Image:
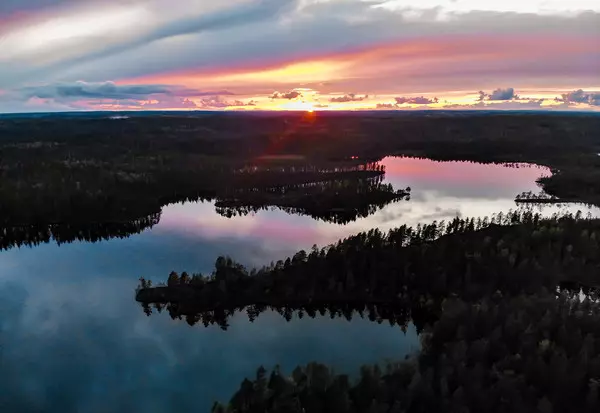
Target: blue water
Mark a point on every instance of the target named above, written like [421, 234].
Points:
[73, 339]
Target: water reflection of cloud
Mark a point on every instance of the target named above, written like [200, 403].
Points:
[462, 179]
[201, 220]
[440, 190]
[97, 351]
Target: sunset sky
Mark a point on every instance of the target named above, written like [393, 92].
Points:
[58, 55]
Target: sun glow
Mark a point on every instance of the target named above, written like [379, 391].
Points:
[302, 72]
[299, 106]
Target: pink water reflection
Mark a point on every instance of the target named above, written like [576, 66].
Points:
[440, 190]
[468, 177]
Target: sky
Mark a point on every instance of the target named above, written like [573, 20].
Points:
[63, 55]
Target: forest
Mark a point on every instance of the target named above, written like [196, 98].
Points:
[507, 309]
[78, 169]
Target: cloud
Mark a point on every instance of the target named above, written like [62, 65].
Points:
[17, 6]
[217, 102]
[347, 45]
[109, 90]
[424, 215]
[524, 104]
[419, 100]
[251, 32]
[112, 96]
[175, 103]
[402, 100]
[106, 95]
[580, 96]
[239, 103]
[499, 95]
[292, 94]
[503, 94]
[193, 20]
[348, 98]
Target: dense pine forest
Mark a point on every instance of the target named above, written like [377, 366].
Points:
[506, 307]
[63, 169]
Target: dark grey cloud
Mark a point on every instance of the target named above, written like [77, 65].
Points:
[14, 6]
[82, 95]
[419, 100]
[503, 94]
[109, 90]
[499, 95]
[580, 96]
[348, 98]
[292, 94]
[385, 106]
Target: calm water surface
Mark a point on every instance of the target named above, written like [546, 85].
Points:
[72, 338]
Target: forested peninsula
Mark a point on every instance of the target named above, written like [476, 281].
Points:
[506, 307]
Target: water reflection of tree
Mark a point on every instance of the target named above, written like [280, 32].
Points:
[339, 201]
[400, 313]
[32, 235]
[339, 192]
[531, 352]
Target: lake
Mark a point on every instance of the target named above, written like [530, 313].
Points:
[72, 337]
